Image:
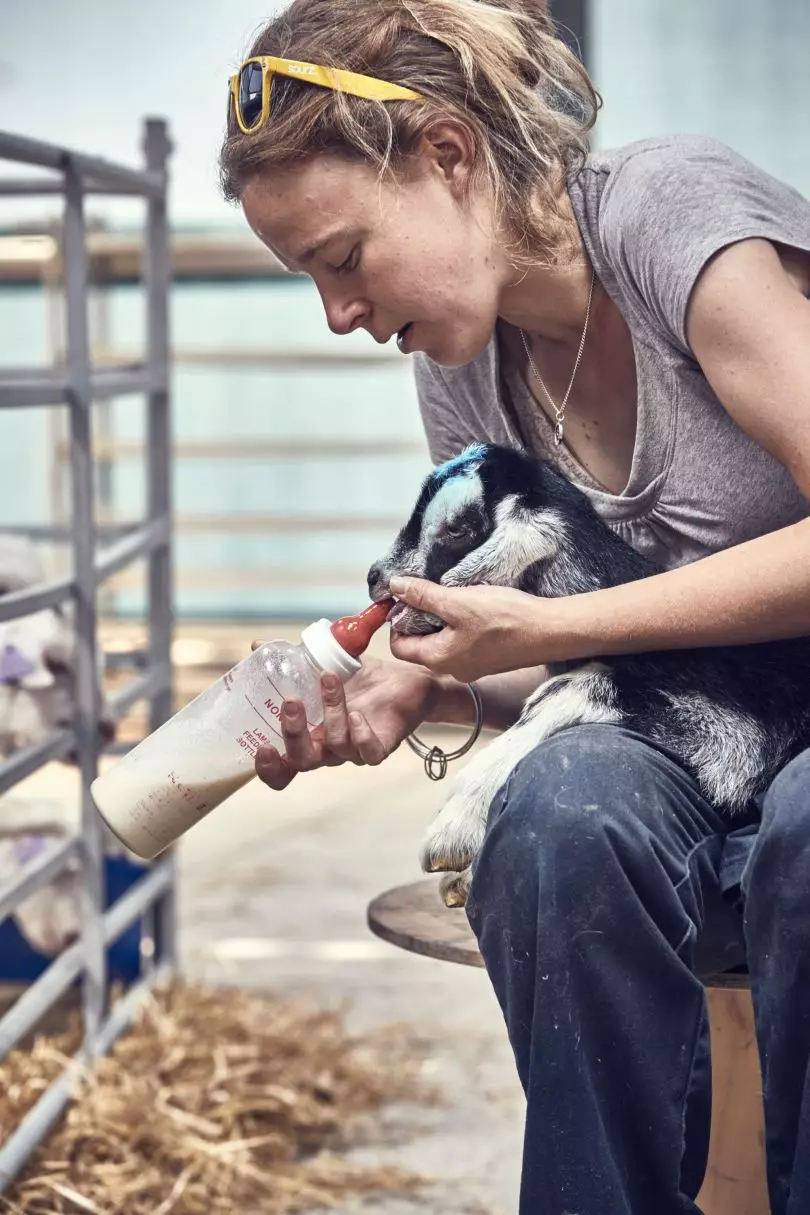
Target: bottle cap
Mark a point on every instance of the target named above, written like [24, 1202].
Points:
[327, 651]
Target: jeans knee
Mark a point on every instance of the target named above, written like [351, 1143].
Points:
[788, 798]
[574, 816]
[780, 862]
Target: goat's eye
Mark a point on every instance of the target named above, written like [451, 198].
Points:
[456, 533]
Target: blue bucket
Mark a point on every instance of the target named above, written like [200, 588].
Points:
[21, 963]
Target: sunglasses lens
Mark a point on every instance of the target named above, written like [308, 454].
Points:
[250, 94]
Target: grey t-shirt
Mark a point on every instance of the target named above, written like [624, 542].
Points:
[651, 214]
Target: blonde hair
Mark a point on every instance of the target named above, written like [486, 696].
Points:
[495, 65]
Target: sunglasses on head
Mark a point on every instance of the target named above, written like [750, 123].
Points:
[249, 88]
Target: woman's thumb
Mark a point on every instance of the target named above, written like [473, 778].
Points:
[419, 593]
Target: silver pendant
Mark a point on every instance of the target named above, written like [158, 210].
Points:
[558, 434]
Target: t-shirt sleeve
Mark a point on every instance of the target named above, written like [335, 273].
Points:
[446, 430]
[672, 205]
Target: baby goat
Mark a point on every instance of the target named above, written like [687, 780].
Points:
[733, 715]
[37, 652]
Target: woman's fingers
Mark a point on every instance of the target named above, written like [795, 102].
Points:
[428, 596]
[272, 768]
[300, 750]
[342, 737]
[366, 743]
[336, 733]
[330, 760]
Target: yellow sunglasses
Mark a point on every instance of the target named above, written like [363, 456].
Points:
[249, 88]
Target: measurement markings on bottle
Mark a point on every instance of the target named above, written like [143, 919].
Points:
[273, 705]
[251, 740]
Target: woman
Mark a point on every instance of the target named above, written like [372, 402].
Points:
[642, 319]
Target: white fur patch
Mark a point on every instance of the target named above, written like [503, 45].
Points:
[452, 499]
[723, 748]
[520, 537]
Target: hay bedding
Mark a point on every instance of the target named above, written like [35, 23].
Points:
[215, 1101]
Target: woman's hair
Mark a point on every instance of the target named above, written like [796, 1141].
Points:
[495, 65]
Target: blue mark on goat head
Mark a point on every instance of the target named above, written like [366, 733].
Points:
[466, 461]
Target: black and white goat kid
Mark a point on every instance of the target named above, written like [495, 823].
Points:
[733, 715]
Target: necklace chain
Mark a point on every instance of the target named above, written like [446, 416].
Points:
[559, 410]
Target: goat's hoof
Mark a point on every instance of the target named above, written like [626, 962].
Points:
[454, 888]
[447, 860]
[456, 834]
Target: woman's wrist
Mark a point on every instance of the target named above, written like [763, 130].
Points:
[503, 697]
[449, 702]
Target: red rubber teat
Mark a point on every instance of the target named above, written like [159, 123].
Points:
[354, 633]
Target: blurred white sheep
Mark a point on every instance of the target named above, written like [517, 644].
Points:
[37, 696]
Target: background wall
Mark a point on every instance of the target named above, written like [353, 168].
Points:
[85, 73]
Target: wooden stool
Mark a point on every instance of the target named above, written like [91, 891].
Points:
[414, 918]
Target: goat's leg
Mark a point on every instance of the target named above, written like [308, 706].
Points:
[455, 836]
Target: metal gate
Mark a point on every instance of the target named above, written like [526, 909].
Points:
[77, 385]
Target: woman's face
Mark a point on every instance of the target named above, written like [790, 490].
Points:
[409, 258]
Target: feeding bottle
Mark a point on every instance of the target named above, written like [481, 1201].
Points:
[207, 751]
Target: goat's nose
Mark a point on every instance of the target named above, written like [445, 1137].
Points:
[374, 576]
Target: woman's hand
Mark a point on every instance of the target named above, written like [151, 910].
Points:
[362, 724]
[488, 629]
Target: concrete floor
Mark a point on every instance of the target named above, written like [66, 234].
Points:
[273, 894]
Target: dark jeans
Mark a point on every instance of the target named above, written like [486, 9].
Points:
[602, 889]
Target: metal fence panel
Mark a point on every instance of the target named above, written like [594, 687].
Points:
[78, 386]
